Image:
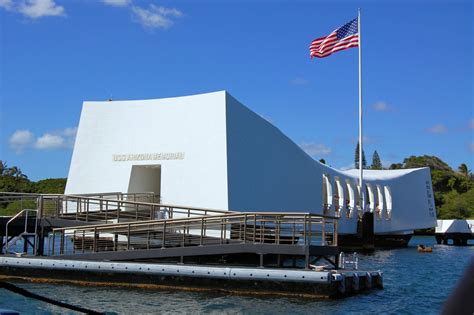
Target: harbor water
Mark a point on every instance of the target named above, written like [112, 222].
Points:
[415, 283]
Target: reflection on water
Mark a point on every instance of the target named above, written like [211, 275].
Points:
[416, 283]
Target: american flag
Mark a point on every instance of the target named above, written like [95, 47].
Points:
[344, 37]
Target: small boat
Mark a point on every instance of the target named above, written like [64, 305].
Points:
[424, 249]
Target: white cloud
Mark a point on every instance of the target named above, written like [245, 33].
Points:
[117, 3]
[70, 132]
[315, 149]
[381, 106]
[59, 139]
[20, 140]
[438, 129]
[35, 9]
[49, 141]
[299, 81]
[6, 4]
[155, 16]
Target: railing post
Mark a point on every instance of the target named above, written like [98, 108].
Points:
[83, 241]
[61, 249]
[118, 211]
[222, 227]
[304, 229]
[106, 212]
[94, 241]
[277, 231]
[184, 233]
[164, 233]
[323, 232]
[87, 212]
[74, 242]
[202, 231]
[254, 228]
[40, 207]
[128, 237]
[52, 247]
[245, 228]
[309, 229]
[293, 235]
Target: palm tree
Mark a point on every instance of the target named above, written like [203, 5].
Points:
[3, 167]
[16, 172]
[464, 170]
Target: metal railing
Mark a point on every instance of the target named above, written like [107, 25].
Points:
[25, 232]
[231, 228]
[107, 207]
[89, 209]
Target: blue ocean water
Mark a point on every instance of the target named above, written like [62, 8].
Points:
[415, 283]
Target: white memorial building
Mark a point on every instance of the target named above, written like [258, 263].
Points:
[211, 151]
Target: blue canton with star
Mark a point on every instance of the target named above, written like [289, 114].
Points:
[348, 29]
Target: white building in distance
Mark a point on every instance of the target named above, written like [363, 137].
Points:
[211, 151]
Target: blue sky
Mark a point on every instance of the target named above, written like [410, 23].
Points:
[417, 71]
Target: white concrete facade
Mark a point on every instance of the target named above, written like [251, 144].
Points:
[210, 151]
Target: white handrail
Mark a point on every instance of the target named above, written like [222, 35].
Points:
[26, 225]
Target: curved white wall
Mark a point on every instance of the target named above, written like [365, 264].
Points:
[216, 153]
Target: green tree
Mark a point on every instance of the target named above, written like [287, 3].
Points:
[396, 166]
[3, 167]
[323, 161]
[463, 169]
[356, 157]
[376, 163]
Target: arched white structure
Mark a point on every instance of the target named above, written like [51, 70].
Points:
[351, 199]
[339, 201]
[379, 209]
[388, 198]
[327, 194]
[370, 200]
[211, 151]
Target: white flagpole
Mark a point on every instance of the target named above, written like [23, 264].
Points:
[361, 169]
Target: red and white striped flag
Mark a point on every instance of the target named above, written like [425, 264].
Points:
[344, 37]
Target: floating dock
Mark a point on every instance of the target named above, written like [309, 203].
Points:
[238, 280]
[123, 239]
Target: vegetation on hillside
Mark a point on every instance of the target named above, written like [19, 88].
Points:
[12, 179]
[453, 189]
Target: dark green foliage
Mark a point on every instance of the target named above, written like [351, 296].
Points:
[464, 170]
[323, 161]
[51, 186]
[396, 166]
[433, 162]
[453, 191]
[356, 157]
[376, 163]
[13, 180]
